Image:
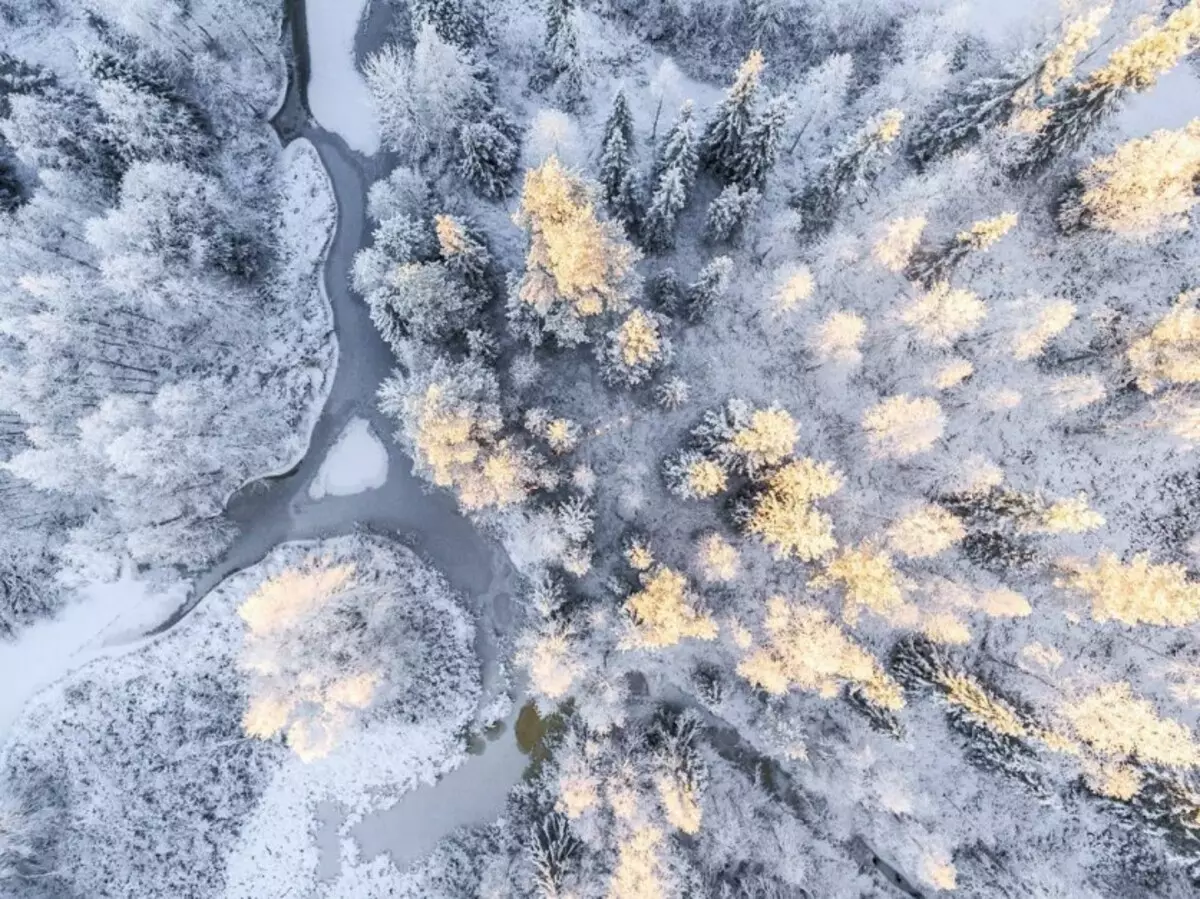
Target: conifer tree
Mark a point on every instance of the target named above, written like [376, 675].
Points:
[616, 150]
[993, 99]
[1134, 67]
[728, 213]
[490, 151]
[562, 51]
[456, 21]
[461, 250]
[764, 19]
[856, 163]
[708, 288]
[1146, 187]
[726, 132]
[672, 180]
[144, 117]
[10, 182]
[930, 265]
[760, 149]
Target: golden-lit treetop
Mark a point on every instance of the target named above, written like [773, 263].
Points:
[868, 580]
[1052, 319]
[982, 234]
[1139, 592]
[448, 435]
[807, 651]
[294, 689]
[705, 478]
[680, 802]
[900, 238]
[977, 703]
[952, 374]
[1078, 34]
[1146, 186]
[286, 599]
[664, 611]
[717, 559]
[784, 516]
[888, 125]
[1068, 516]
[838, 338]
[944, 314]
[640, 870]
[768, 438]
[551, 659]
[903, 426]
[639, 555]
[925, 532]
[638, 339]
[587, 260]
[1119, 725]
[795, 287]
[1138, 64]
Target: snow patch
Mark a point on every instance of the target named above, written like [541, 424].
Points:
[356, 463]
[337, 92]
[104, 616]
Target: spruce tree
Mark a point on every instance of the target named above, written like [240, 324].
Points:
[616, 149]
[671, 182]
[759, 151]
[708, 288]
[729, 212]
[490, 151]
[982, 103]
[11, 191]
[764, 20]
[456, 21]
[1132, 68]
[558, 19]
[858, 162]
[725, 134]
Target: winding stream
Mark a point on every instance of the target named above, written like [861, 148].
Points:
[278, 509]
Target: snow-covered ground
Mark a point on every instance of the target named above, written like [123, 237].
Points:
[337, 93]
[356, 463]
[102, 619]
[167, 719]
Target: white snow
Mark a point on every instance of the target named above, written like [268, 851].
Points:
[337, 92]
[105, 616]
[356, 463]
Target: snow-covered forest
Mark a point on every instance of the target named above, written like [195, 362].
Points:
[823, 372]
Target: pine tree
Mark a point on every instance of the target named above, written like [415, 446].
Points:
[729, 212]
[457, 21]
[856, 163]
[708, 288]
[668, 200]
[994, 99]
[490, 151]
[725, 134]
[616, 150]
[760, 149]
[672, 180]
[1132, 68]
[982, 103]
